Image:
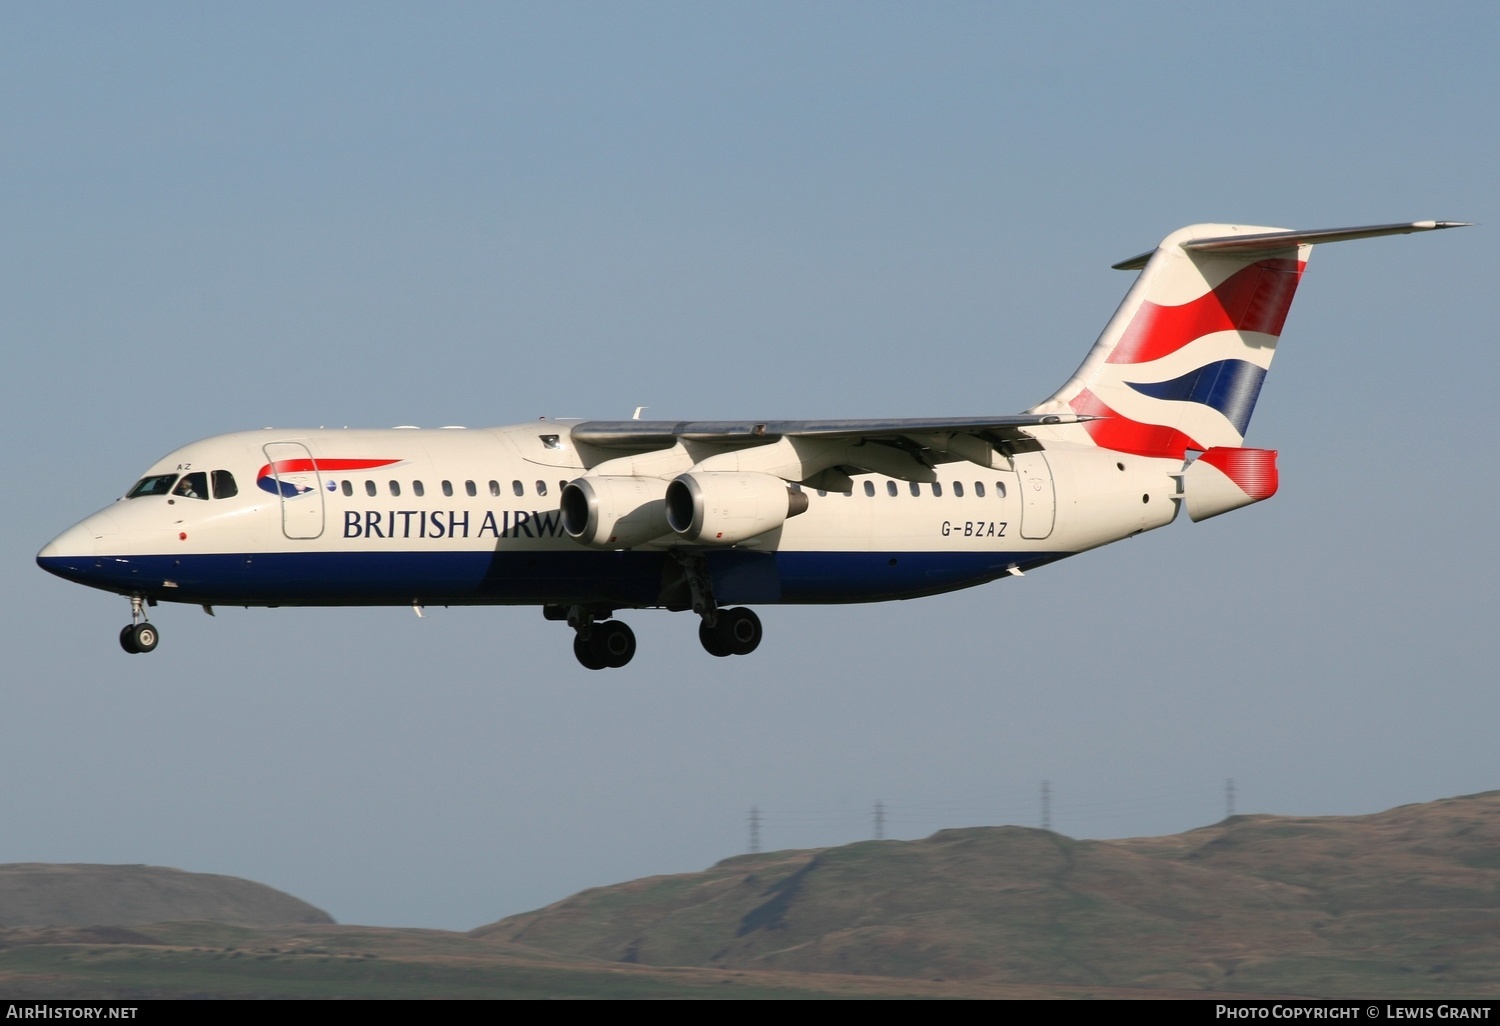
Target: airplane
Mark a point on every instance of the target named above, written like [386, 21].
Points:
[585, 518]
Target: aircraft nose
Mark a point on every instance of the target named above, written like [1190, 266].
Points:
[78, 543]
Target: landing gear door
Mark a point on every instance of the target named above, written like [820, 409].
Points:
[1038, 497]
[293, 475]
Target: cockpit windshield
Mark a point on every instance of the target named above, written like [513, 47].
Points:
[161, 484]
[192, 486]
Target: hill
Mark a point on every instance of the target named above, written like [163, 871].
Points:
[40, 895]
[1400, 902]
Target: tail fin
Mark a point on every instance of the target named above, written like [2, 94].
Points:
[1180, 364]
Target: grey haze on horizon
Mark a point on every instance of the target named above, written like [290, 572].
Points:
[230, 216]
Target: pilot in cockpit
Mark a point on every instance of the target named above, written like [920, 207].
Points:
[192, 486]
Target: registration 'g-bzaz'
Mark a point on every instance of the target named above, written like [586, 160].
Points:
[588, 518]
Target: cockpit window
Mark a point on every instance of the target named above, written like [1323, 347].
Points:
[192, 486]
[224, 486]
[161, 484]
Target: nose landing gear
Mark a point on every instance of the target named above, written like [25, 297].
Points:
[138, 636]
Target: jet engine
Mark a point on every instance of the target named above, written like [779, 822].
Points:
[615, 512]
[721, 508]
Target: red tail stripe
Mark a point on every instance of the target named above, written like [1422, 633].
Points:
[1125, 435]
[1254, 470]
[1254, 298]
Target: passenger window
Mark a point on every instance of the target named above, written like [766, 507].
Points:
[560, 486]
[447, 487]
[516, 487]
[417, 489]
[937, 488]
[822, 493]
[348, 487]
[369, 487]
[495, 488]
[916, 489]
[395, 487]
[469, 488]
[192, 486]
[999, 489]
[541, 487]
[890, 488]
[958, 489]
[224, 486]
[869, 487]
[979, 489]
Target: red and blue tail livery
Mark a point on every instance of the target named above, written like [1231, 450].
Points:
[589, 518]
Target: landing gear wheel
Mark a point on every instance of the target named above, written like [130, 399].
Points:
[586, 654]
[143, 637]
[127, 638]
[610, 644]
[712, 643]
[615, 643]
[740, 630]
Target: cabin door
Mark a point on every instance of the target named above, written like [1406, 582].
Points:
[294, 474]
[1038, 497]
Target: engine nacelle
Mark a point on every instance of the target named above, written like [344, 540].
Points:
[1225, 478]
[715, 508]
[615, 512]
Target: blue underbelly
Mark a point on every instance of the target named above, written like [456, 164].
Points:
[621, 579]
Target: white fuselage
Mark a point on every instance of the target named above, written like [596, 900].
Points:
[454, 516]
[586, 518]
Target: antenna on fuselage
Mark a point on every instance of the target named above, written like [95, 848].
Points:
[637, 414]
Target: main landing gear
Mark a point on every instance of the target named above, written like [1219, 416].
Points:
[610, 644]
[606, 644]
[731, 632]
[138, 636]
[721, 632]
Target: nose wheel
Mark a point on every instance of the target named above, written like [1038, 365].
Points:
[138, 636]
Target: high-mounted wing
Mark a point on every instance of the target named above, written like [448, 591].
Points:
[814, 452]
[645, 435]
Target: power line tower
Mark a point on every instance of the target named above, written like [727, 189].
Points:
[754, 830]
[1046, 805]
[879, 821]
[1229, 798]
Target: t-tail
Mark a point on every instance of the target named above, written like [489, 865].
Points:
[1180, 364]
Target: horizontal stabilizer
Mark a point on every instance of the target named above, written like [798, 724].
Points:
[1270, 242]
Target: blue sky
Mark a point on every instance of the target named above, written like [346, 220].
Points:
[223, 217]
